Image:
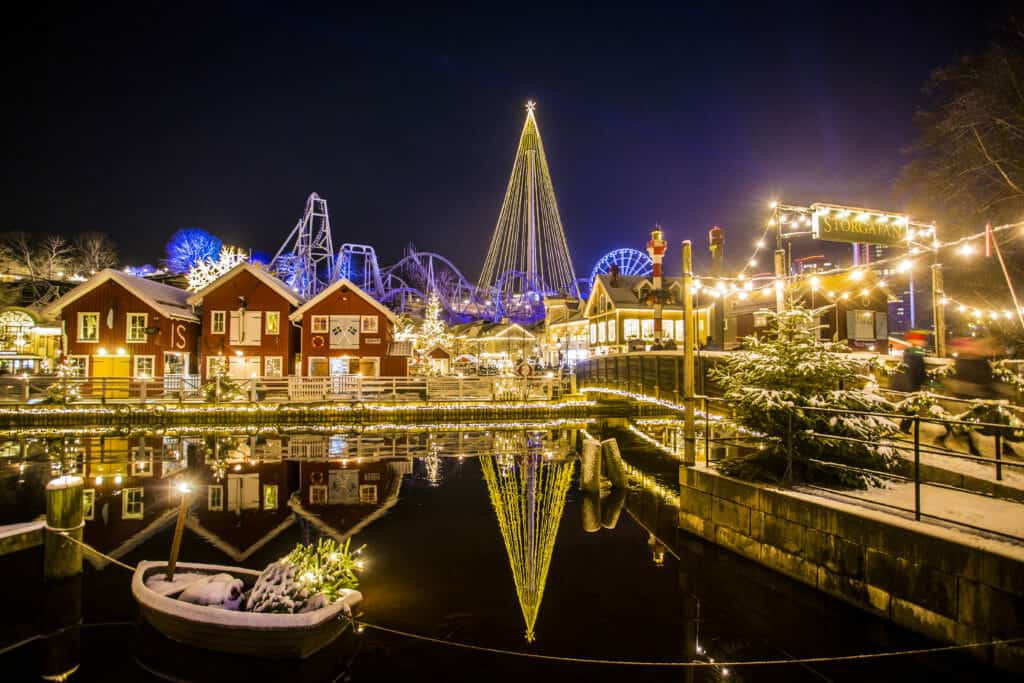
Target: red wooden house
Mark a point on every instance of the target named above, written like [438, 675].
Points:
[345, 331]
[119, 325]
[245, 326]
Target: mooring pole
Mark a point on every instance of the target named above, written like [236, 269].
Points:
[179, 529]
[689, 343]
[62, 557]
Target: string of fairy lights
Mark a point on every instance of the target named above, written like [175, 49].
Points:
[921, 242]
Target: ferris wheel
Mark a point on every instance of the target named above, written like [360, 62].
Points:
[629, 261]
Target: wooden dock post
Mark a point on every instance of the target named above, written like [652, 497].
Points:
[590, 472]
[62, 557]
[179, 529]
[612, 463]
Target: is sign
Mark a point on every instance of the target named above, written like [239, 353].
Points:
[839, 224]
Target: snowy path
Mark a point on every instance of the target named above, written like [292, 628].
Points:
[1001, 516]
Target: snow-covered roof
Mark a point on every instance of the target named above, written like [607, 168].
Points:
[257, 271]
[171, 302]
[299, 312]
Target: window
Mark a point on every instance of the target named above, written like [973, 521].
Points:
[318, 495]
[368, 494]
[647, 328]
[132, 505]
[88, 327]
[593, 333]
[631, 328]
[217, 322]
[270, 496]
[611, 331]
[246, 328]
[144, 366]
[216, 365]
[372, 476]
[369, 324]
[214, 497]
[319, 324]
[601, 334]
[760, 320]
[88, 503]
[318, 366]
[273, 366]
[137, 323]
[273, 323]
[680, 330]
[80, 365]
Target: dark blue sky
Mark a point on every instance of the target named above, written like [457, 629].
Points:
[141, 120]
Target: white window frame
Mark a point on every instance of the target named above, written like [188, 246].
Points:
[267, 488]
[268, 360]
[83, 362]
[368, 494]
[276, 317]
[128, 338]
[311, 359]
[89, 504]
[631, 328]
[611, 331]
[135, 366]
[211, 371]
[318, 494]
[593, 333]
[602, 333]
[369, 324]
[375, 360]
[319, 324]
[210, 490]
[81, 317]
[647, 328]
[220, 317]
[680, 329]
[126, 503]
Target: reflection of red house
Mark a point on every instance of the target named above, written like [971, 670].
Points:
[340, 499]
[346, 331]
[244, 509]
[130, 494]
[246, 325]
[120, 325]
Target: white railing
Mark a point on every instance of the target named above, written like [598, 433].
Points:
[189, 388]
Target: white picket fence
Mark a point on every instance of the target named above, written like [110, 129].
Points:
[189, 388]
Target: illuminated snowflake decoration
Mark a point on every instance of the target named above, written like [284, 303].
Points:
[206, 271]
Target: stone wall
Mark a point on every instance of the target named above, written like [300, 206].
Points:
[916, 577]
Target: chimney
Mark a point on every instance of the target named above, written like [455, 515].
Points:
[656, 250]
[614, 272]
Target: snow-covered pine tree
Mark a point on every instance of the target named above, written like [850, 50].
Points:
[790, 368]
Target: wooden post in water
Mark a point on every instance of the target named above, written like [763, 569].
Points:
[179, 529]
[689, 344]
[590, 471]
[62, 557]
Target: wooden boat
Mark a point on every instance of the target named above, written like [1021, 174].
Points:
[254, 634]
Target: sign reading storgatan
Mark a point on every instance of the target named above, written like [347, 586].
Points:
[852, 225]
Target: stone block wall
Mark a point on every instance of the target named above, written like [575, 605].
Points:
[927, 582]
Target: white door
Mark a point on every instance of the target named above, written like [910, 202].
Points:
[244, 367]
[243, 491]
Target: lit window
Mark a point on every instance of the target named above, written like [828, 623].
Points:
[132, 506]
[601, 334]
[273, 324]
[611, 331]
[318, 495]
[144, 366]
[137, 327]
[88, 327]
[647, 328]
[214, 497]
[631, 328]
[273, 366]
[319, 324]
[368, 494]
[270, 497]
[79, 365]
[217, 322]
[216, 365]
[88, 503]
[680, 330]
[593, 333]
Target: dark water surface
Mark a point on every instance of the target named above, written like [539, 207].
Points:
[632, 588]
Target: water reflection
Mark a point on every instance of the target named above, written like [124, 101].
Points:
[528, 491]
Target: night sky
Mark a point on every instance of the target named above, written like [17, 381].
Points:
[145, 119]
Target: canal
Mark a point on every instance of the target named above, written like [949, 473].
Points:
[442, 514]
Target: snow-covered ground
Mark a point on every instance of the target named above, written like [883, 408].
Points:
[985, 445]
[159, 583]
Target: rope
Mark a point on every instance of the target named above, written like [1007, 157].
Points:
[43, 636]
[691, 664]
[88, 547]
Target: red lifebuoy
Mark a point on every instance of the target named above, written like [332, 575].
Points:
[317, 341]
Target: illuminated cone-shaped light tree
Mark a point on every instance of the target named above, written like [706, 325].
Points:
[528, 238]
[528, 493]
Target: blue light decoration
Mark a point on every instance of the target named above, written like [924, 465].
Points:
[629, 261]
[189, 246]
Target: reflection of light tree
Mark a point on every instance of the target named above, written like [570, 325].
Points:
[528, 494]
